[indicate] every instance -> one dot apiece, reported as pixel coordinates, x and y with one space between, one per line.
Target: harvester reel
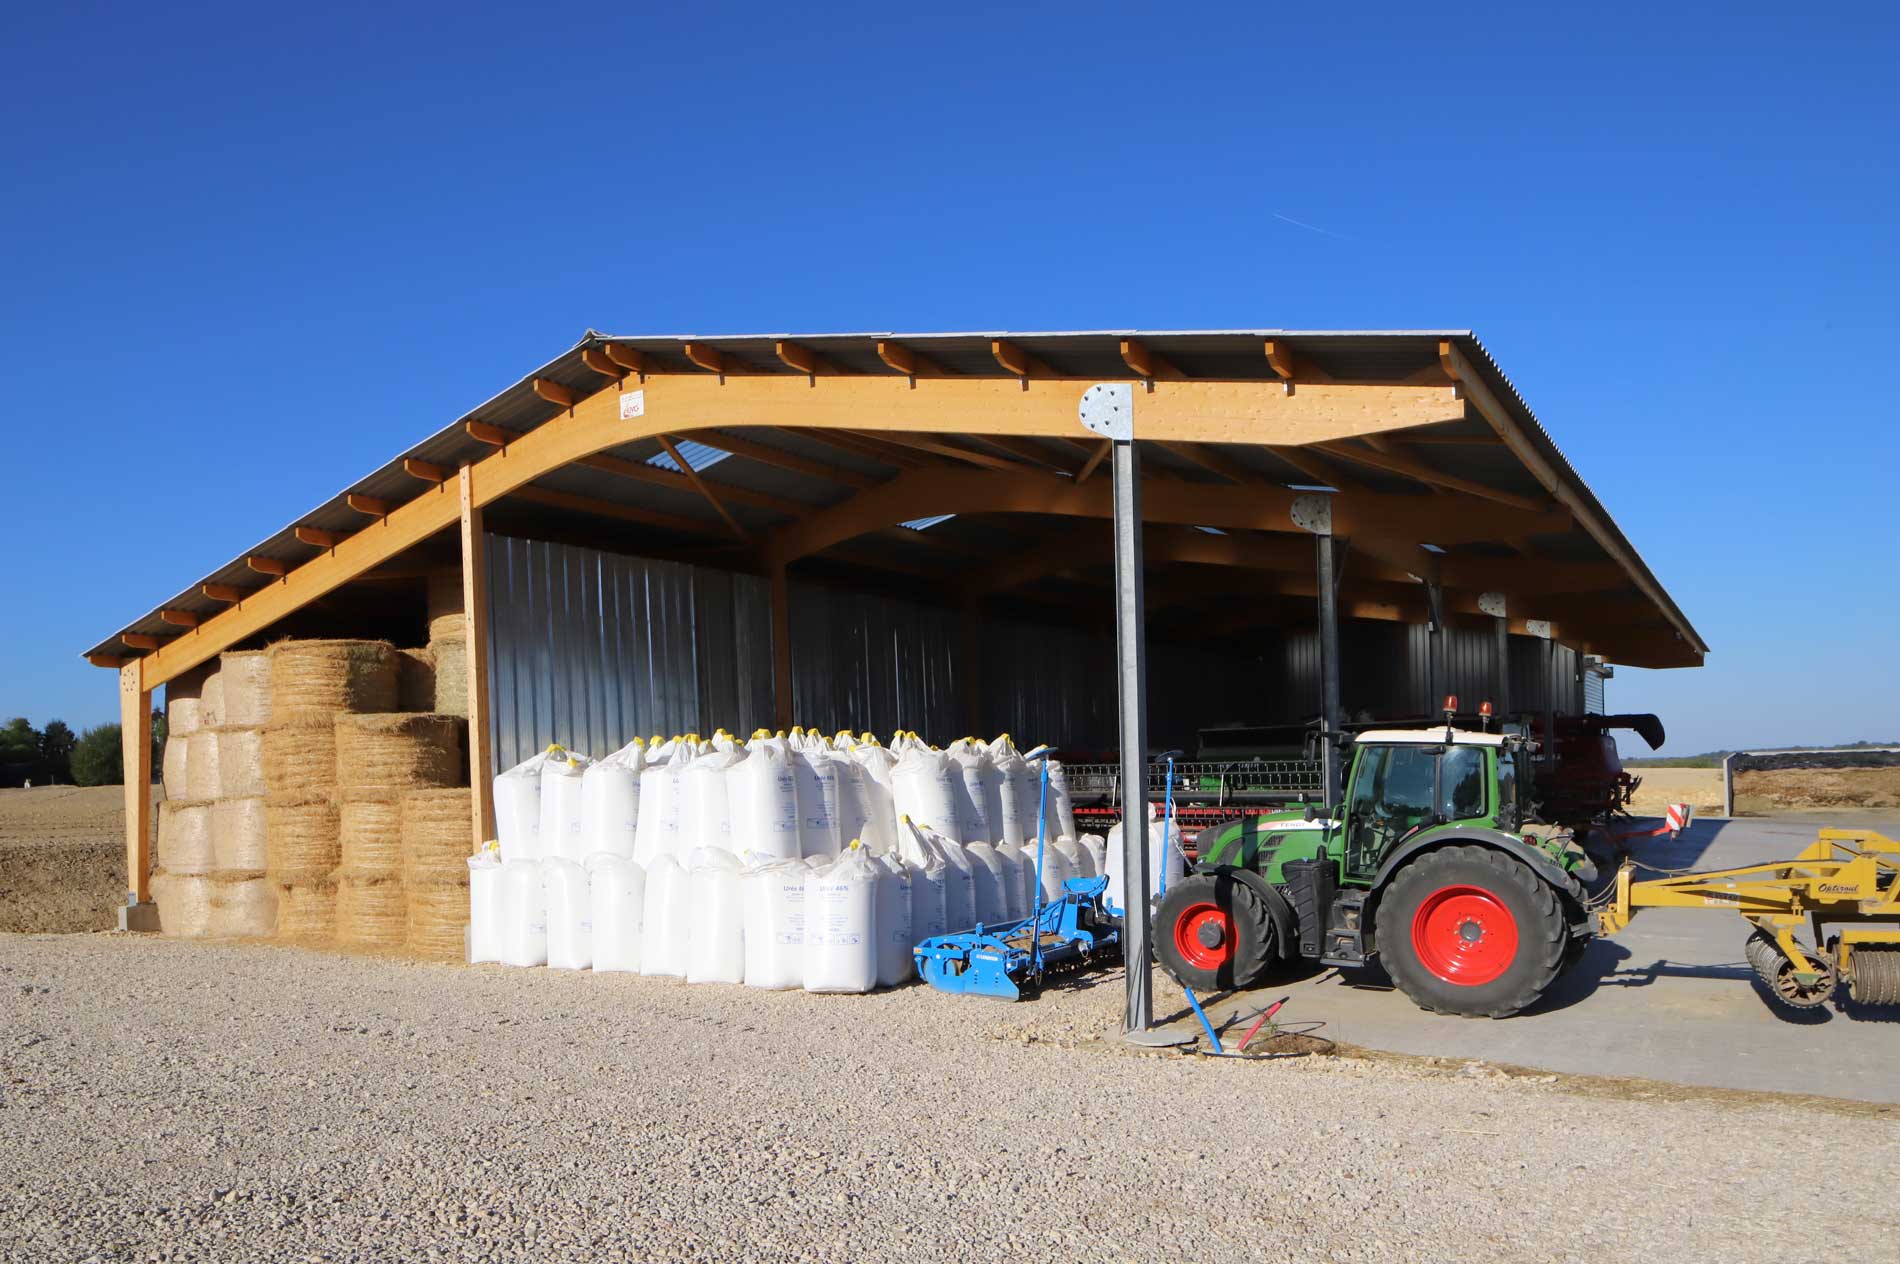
1778 972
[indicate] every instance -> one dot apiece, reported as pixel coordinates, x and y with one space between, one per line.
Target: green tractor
1433 864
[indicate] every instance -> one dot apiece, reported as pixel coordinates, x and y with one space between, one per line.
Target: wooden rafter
1217 463
427 472
627 358
180 618
708 358
319 537
1396 463
765 454
877 451
141 640
1017 361
700 485
555 393
1316 467
597 359
955 452
1094 460
907 361
614 509
225 593
1027 449
267 565
804 359
374 506
1147 363
100 659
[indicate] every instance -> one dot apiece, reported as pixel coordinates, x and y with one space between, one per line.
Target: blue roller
1008 961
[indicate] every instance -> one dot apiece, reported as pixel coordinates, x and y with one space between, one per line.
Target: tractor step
1346 930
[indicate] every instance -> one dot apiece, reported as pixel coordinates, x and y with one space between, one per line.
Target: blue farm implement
1011 959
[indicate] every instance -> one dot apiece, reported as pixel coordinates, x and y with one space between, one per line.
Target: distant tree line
52 756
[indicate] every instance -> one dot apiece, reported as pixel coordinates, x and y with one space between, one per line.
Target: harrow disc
1778 972
1876 977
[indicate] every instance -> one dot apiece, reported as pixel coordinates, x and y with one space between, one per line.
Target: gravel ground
176 1100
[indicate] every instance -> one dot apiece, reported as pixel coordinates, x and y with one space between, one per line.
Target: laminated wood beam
225 593
951 450
319 537
906 361
135 737
700 485
683 402
555 393
374 506
1316 467
1213 462
114 661
267 565
481 769
876 449
180 618
1026 449
425 471
141 640
804 359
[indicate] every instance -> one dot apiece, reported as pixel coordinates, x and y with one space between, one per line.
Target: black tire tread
1550 948
1244 906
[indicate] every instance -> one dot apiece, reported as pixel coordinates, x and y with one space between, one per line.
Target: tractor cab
1406 781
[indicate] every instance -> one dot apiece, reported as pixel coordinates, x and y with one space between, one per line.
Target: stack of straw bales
448 643
311 684
379 759
182 879
242 902
436 844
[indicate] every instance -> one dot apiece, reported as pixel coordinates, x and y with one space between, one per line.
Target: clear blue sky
343 225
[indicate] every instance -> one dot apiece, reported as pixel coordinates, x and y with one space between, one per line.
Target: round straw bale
299 757
202 780
451 677
183 717
306 905
415 680
320 678
246 677
370 822
438 919
370 909
239 829
398 751
437 838
174 763
211 701
184 903
242 904
240 762
445 607
303 834
184 837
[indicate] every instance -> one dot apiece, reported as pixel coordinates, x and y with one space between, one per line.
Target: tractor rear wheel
1471 931
1214 932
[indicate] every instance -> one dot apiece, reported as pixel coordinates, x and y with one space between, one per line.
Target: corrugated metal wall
592 649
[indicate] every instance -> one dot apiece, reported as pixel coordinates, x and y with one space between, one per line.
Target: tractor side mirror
1312 813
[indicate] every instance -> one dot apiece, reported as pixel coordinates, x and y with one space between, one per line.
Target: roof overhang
1434 467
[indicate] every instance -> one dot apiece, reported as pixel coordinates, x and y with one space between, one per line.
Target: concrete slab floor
1671 998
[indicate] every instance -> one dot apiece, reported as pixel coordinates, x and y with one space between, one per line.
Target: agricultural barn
940 533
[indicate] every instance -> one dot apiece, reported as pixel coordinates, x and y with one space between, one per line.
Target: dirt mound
62 858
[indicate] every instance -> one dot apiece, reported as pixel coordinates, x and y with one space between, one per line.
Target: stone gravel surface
167 1100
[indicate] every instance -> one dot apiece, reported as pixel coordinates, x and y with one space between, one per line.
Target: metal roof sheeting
1370 355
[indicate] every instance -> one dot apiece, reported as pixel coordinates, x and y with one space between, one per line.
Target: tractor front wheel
1213 932
1471 931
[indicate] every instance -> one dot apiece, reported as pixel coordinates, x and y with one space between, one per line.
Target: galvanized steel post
1108 410
1328 668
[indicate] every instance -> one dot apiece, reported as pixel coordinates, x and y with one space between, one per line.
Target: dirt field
62 858
1762 790
1662 786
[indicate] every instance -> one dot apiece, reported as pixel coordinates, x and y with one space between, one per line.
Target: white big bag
840 925
619 894
610 800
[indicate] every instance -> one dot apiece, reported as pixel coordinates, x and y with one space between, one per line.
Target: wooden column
135 732
781 646
481 770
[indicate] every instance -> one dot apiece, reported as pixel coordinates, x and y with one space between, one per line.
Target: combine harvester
1437 864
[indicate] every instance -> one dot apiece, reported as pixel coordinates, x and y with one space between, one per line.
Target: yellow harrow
1847 880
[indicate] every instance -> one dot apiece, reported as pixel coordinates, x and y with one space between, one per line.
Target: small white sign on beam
633 404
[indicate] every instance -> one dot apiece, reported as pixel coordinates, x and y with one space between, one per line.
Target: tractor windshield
1462 779
1398 789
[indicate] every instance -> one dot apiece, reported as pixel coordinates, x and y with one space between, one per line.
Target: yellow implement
1846 880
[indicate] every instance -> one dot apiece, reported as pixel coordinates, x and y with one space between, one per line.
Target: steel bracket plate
1539 628
1492 603
1108 410
1313 513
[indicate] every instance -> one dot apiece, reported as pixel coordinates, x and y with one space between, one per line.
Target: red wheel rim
1464 935
1197 920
